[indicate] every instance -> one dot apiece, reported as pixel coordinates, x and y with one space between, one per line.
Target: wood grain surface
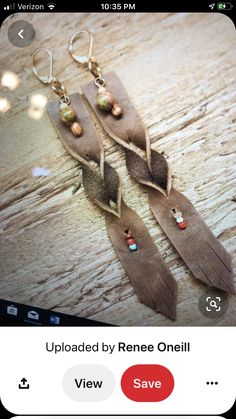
179 70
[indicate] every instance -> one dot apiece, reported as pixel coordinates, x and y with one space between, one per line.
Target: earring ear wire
81 59
43 79
67 113
104 99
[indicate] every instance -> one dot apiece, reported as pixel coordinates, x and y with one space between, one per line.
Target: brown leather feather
152 280
199 248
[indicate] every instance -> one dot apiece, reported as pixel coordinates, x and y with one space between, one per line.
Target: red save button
147 383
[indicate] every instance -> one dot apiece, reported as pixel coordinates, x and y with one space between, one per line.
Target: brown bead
116 110
76 129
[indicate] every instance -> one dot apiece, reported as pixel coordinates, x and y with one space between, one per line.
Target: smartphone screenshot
117 209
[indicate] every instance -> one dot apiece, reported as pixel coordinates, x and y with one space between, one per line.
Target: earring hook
44 79
91 61
81 59
55 84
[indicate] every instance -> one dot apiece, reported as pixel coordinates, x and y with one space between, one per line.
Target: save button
147 383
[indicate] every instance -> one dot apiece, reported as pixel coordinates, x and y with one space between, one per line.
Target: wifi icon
51 6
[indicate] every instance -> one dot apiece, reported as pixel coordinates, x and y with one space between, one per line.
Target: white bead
101 89
179 220
177 214
64 106
133 247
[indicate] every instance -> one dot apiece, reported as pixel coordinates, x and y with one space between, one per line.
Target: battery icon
224 6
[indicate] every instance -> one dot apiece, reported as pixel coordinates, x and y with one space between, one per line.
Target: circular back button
21 33
147 383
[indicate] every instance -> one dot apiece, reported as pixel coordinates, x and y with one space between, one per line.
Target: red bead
130 241
182 225
129 236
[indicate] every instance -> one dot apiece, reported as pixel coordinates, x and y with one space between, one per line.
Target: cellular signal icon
10 7
51 6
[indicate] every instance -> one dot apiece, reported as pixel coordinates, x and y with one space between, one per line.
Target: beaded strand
179 219
130 241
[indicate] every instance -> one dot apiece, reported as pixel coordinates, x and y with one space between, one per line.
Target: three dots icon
212 383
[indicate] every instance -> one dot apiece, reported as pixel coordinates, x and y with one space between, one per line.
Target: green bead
105 100
68 114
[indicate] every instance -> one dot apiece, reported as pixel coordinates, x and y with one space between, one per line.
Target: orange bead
130 241
182 225
116 110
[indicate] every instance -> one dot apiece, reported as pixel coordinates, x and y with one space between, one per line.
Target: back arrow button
20 34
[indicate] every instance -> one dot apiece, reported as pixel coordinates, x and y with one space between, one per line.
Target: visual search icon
213 304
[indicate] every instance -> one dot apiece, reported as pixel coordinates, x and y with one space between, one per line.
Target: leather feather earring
179 219
150 277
